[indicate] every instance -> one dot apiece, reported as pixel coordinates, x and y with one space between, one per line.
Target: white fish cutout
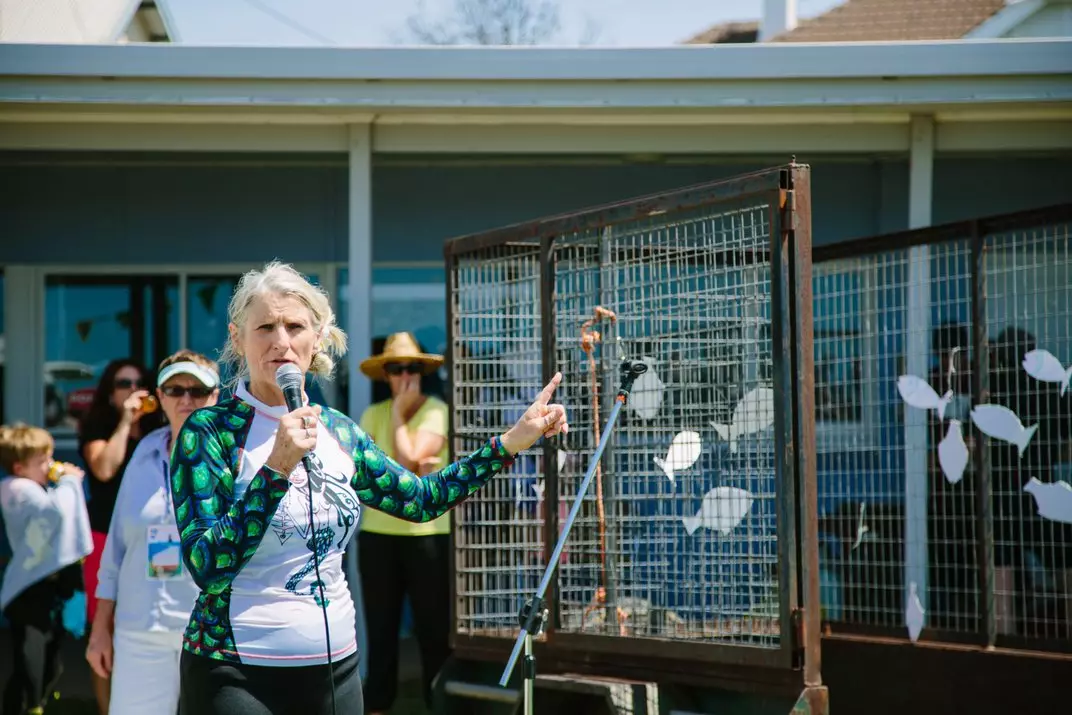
1045 367
520 487
1054 501
722 510
953 453
683 453
561 461
861 527
1001 423
647 395
754 413
914 613
917 393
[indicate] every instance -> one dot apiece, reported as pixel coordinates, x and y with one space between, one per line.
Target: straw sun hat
400 348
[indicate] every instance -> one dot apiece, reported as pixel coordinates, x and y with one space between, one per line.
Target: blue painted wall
252 211
257 209
201 213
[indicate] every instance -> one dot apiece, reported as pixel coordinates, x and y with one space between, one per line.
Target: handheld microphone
289 379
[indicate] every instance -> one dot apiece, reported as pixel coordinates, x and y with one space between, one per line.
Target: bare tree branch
492 22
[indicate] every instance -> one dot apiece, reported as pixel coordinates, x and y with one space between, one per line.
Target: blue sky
370 22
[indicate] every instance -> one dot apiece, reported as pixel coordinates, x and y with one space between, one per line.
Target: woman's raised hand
541 419
295 437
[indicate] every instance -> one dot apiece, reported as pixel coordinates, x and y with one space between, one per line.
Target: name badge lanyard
169 513
167 488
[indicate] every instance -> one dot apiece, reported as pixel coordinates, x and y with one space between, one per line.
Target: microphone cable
320 581
289 379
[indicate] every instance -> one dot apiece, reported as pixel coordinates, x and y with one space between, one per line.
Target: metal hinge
797 619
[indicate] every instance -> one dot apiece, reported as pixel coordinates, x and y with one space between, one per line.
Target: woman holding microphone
267 500
144 596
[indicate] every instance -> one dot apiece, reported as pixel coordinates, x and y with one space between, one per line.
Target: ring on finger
308 432
307 421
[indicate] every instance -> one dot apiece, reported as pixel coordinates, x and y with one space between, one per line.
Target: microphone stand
533 614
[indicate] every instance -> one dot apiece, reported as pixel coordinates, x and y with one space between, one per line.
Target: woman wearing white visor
144 594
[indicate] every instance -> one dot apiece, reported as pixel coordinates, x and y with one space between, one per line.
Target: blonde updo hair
278 278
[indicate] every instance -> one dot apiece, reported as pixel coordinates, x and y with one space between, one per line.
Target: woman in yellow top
399 558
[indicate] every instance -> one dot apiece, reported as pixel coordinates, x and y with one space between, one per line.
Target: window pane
206 312
403 299
159 347
92 320
2 348
87 325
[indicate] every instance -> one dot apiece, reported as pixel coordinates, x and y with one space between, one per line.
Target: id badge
164 560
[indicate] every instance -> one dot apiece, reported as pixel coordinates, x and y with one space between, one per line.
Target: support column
329 281
359 262
917 353
359 325
24 345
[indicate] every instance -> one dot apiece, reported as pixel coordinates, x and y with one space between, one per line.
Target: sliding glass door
92 320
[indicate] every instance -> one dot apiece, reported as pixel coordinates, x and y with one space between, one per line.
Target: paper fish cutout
1054 501
999 422
917 393
861 527
722 510
754 413
914 613
953 453
1045 367
647 394
521 489
683 453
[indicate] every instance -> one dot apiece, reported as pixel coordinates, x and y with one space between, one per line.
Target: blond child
48 528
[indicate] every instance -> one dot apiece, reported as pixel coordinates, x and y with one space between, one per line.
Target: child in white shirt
48 528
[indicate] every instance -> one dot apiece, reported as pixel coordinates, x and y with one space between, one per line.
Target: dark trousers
393 567
213 687
37 634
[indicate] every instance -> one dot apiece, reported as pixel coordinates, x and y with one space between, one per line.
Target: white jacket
144 499
47 527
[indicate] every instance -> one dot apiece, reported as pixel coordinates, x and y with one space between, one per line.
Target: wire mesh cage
496 366
683 537
943 429
680 539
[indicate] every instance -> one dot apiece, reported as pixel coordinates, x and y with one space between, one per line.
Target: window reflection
87 325
3 346
410 298
91 320
206 313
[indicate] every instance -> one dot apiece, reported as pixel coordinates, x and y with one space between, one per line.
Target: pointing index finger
545 394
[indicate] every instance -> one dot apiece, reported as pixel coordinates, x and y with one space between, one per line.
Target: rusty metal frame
787 191
943 233
975 232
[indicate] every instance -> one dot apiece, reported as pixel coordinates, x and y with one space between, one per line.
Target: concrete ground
76 695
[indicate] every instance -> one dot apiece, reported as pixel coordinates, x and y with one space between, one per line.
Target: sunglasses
198 393
124 383
397 368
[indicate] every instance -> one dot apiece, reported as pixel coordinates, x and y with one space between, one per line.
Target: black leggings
36 636
213 687
393 567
